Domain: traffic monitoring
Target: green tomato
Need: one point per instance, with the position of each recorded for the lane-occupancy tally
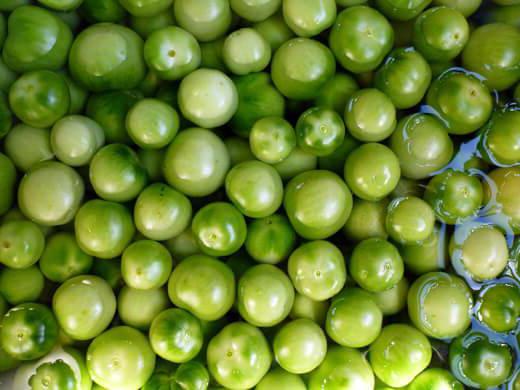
(220, 229)
(36, 39)
(500, 139)
(84, 306)
(238, 356)
(336, 92)
(404, 77)
(6, 117)
(501, 192)
(428, 255)
(367, 220)
(255, 188)
(75, 139)
(493, 51)
(138, 308)
(300, 346)
(409, 220)
(152, 123)
(354, 318)
(466, 7)
(257, 99)
(304, 307)
(146, 264)
(308, 18)
(109, 271)
(301, 67)
(372, 171)
(152, 161)
(62, 258)
(7, 362)
(192, 375)
(172, 53)
(297, 162)
(402, 9)
(239, 150)
(399, 354)
(335, 161)
(498, 307)
(211, 55)
(28, 331)
(7, 77)
(21, 243)
(21, 285)
(207, 20)
(343, 369)
(146, 25)
(270, 239)
(145, 8)
(376, 265)
(7, 183)
(317, 270)
(50, 193)
(370, 115)
(274, 29)
(393, 300)
(255, 10)
(435, 379)
(360, 38)
(39, 98)
(454, 196)
(103, 229)
(246, 51)
(61, 5)
(279, 378)
(461, 100)
(106, 57)
(272, 139)
(121, 357)
(204, 286)
(504, 14)
(183, 245)
(207, 97)
(57, 375)
(422, 145)
(26, 146)
(318, 203)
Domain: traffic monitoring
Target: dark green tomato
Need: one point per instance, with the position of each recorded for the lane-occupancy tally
(220, 229)
(318, 203)
(441, 33)
(7, 77)
(504, 14)
(116, 173)
(110, 271)
(61, 5)
(297, 162)
(6, 117)
(109, 110)
(29, 331)
(265, 295)
(335, 161)
(172, 52)
(493, 51)
(26, 146)
(462, 101)
(466, 7)
(146, 25)
(343, 369)
(11, 5)
(360, 38)
(422, 145)
(478, 362)
(428, 255)
(336, 92)
(372, 171)
(502, 190)
(370, 115)
(239, 356)
(204, 286)
(409, 220)
(103, 229)
(402, 9)
(354, 319)
(50, 193)
(279, 378)
(439, 68)
(304, 307)
(107, 56)
(40, 98)
(239, 263)
(62, 258)
(454, 196)
(146, 8)
(408, 187)
(7, 362)
(21, 285)
(211, 55)
(272, 139)
(255, 188)
(499, 307)
(301, 67)
(196, 162)
(320, 131)
(274, 30)
(317, 270)
(207, 20)
(21, 243)
(55, 375)
(393, 300)
(7, 183)
(500, 139)
(137, 308)
(399, 354)
(404, 77)
(3, 29)
(440, 305)
(435, 379)
(152, 161)
(270, 239)
(376, 265)
(36, 39)
(238, 149)
(367, 220)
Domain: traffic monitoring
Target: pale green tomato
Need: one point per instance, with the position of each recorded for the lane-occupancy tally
(367, 220)
(246, 51)
(207, 20)
(21, 285)
(393, 300)
(298, 161)
(279, 378)
(274, 30)
(138, 308)
(272, 139)
(26, 146)
(309, 17)
(21, 243)
(409, 220)
(255, 10)
(304, 307)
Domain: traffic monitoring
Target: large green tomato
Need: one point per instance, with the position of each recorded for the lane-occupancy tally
(239, 356)
(50, 193)
(343, 369)
(120, 358)
(399, 354)
(204, 286)
(21, 243)
(318, 203)
(103, 229)
(84, 306)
